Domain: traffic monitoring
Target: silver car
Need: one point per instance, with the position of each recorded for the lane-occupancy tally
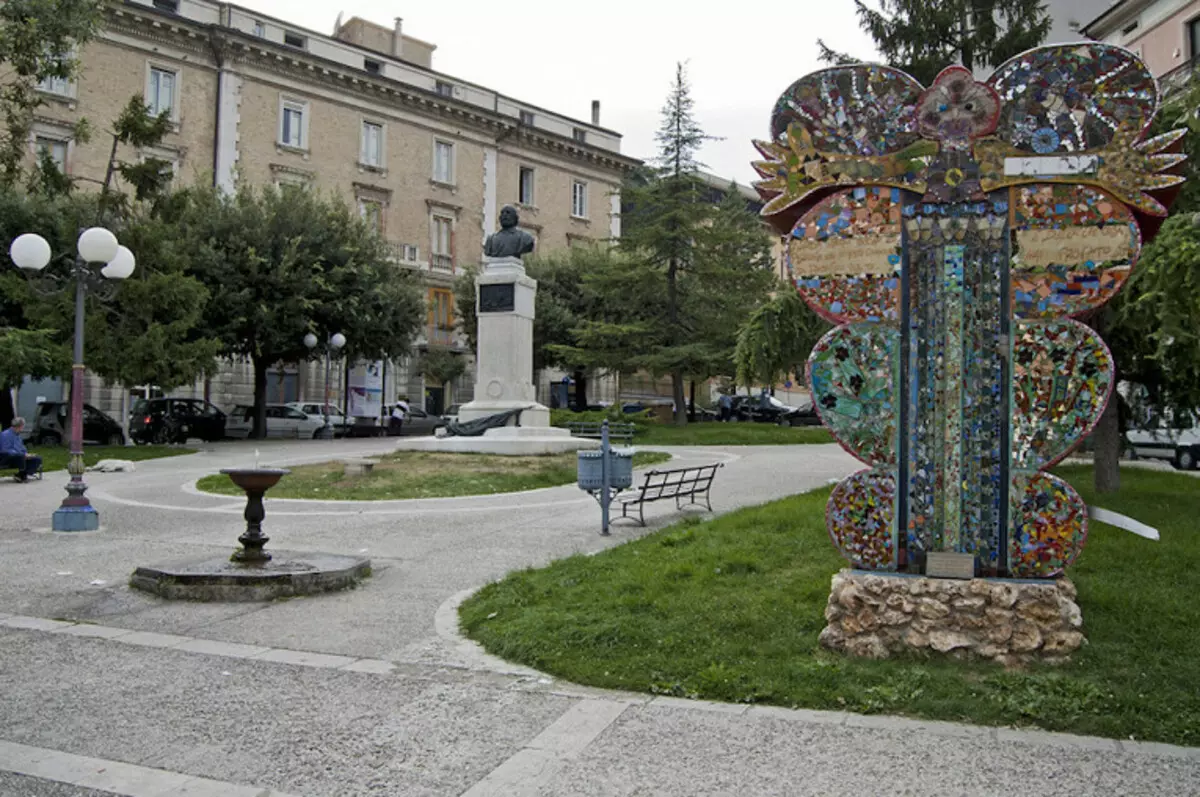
(316, 411)
(282, 421)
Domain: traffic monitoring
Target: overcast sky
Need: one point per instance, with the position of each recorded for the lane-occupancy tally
(562, 55)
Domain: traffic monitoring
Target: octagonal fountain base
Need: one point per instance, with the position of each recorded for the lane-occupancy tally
(287, 575)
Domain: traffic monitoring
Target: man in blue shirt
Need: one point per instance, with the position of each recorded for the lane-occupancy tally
(13, 453)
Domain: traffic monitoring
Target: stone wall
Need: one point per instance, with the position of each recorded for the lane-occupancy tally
(1011, 622)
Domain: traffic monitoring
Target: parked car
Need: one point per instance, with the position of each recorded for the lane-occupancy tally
(282, 421)
(1180, 447)
(417, 422)
(451, 413)
(747, 408)
(337, 419)
(175, 420)
(52, 426)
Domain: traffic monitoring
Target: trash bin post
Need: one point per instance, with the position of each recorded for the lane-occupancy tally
(605, 477)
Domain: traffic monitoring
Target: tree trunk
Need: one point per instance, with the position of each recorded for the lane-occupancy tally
(692, 401)
(580, 377)
(1107, 438)
(681, 418)
(260, 398)
(7, 410)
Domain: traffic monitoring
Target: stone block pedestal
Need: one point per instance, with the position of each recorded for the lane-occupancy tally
(876, 615)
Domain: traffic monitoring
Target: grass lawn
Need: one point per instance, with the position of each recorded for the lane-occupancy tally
(416, 474)
(729, 434)
(730, 610)
(55, 457)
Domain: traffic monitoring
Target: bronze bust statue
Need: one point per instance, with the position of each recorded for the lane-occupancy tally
(509, 241)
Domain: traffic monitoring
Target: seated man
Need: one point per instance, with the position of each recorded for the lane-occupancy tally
(13, 453)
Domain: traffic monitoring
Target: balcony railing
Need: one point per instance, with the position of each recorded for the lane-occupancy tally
(1178, 77)
(437, 336)
(442, 263)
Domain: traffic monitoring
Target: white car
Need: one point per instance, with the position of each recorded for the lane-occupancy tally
(316, 411)
(1179, 446)
(282, 421)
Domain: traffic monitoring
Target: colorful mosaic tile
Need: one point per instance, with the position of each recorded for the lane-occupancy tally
(1061, 379)
(844, 255)
(1075, 247)
(860, 520)
(1049, 522)
(852, 372)
(953, 230)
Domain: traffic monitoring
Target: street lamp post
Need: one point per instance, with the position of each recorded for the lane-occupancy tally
(336, 342)
(31, 253)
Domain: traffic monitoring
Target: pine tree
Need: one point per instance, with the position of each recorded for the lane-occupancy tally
(922, 37)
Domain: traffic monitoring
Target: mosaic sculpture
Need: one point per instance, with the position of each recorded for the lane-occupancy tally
(952, 232)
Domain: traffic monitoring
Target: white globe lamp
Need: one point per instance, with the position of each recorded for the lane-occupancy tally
(97, 245)
(30, 252)
(338, 340)
(121, 266)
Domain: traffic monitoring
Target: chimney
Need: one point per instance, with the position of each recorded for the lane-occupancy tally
(596, 112)
(398, 39)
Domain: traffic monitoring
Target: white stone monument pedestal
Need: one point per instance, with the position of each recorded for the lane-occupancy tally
(504, 305)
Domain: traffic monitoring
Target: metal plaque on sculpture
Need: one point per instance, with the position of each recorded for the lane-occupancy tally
(497, 298)
(952, 232)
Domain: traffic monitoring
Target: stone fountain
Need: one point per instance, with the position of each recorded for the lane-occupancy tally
(252, 574)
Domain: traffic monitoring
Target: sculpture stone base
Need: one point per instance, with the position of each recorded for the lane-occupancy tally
(1012, 622)
(509, 441)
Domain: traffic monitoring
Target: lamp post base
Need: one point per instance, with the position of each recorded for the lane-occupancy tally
(75, 518)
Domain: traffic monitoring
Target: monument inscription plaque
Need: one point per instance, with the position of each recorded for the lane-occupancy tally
(497, 298)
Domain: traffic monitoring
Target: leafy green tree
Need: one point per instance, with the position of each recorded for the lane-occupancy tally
(922, 37)
(776, 340)
(440, 365)
(281, 263)
(38, 40)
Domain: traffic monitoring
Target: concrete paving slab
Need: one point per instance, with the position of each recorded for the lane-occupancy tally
(295, 729)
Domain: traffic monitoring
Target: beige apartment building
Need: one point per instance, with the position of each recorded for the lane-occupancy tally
(361, 113)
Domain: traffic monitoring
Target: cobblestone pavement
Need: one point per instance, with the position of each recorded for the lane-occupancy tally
(371, 691)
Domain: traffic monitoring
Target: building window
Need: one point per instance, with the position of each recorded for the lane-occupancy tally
(527, 118)
(409, 253)
(293, 124)
(56, 85)
(260, 30)
(443, 243)
(1194, 39)
(579, 199)
(54, 147)
(373, 67)
(443, 162)
(579, 134)
(293, 40)
(445, 89)
(372, 213)
(441, 308)
(167, 5)
(160, 91)
(525, 191)
(371, 148)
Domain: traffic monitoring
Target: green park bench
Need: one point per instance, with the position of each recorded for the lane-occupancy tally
(622, 432)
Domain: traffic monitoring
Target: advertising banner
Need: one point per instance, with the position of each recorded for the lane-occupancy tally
(366, 390)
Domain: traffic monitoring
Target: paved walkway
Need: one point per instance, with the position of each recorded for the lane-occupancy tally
(371, 691)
